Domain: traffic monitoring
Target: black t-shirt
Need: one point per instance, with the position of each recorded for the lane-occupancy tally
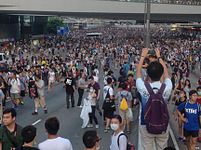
(26, 148)
(69, 83)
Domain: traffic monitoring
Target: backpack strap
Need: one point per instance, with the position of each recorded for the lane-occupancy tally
(119, 138)
(149, 88)
(162, 88)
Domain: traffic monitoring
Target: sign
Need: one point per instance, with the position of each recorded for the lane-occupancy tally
(62, 31)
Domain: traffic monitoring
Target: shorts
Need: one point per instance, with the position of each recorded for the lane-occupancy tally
(15, 96)
(109, 114)
(22, 93)
(191, 133)
(51, 81)
(125, 115)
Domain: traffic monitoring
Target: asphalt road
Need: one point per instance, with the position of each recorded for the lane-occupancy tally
(69, 119)
(71, 122)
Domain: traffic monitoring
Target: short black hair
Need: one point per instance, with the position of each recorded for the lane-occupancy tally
(155, 70)
(91, 78)
(169, 148)
(52, 125)
(10, 110)
(192, 92)
(130, 75)
(28, 133)
(118, 117)
(123, 85)
(109, 80)
(90, 138)
(198, 88)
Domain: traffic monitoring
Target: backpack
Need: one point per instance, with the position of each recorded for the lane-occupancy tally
(108, 104)
(123, 104)
(156, 114)
(129, 145)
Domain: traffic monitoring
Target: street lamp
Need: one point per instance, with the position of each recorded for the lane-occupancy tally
(147, 23)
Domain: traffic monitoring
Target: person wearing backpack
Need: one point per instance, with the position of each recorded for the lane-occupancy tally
(108, 104)
(191, 119)
(154, 95)
(119, 140)
(124, 101)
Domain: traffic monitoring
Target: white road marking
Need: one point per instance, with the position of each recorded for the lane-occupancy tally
(39, 120)
(176, 146)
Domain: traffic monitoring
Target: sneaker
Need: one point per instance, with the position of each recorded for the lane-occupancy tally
(80, 106)
(45, 111)
(90, 126)
(97, 126)
(21, 103)
(106, 130)
(35, 113)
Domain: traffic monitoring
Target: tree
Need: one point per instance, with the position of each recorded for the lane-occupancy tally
(53, 23)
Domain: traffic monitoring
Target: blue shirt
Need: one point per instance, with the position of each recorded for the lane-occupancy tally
(192, 114)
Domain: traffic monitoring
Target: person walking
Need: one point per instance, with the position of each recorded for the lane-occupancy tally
(108, 104)
(155, 70)
(28, 135)
(10, 132)
(40, 85)
(69, 84)
(125, 114)
(92, 115)
(119, 140)
(191, 119)
(54, 141)
(91, 140)
(15, 90)
(82, 85)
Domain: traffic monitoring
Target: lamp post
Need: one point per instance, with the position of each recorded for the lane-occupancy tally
(147, 23)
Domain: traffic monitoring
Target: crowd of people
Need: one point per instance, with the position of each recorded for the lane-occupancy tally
(132, 75)
(178, 2)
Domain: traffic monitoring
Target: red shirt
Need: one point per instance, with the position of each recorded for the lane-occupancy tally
(199, 99)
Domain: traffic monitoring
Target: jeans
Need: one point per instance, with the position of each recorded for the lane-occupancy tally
(70, 95)
(92, 115)
(80, 93)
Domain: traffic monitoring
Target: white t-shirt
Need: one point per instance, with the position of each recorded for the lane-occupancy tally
(105, 90)
(96, 78)
(122, 142)
(56, 144)
(15, 86)
(51, 76)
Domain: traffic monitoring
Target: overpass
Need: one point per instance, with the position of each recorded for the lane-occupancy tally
(103, 9)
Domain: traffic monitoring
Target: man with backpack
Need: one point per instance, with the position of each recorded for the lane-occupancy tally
(154, 95)
(191, 119)
(123, 96)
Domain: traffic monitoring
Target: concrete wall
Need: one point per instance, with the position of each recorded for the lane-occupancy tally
(93, 6)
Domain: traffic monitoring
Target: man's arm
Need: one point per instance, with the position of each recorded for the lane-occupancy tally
(139, 66)
(98, 96)
(165, 74)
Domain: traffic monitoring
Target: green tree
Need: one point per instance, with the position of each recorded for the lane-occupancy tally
(53, 23)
